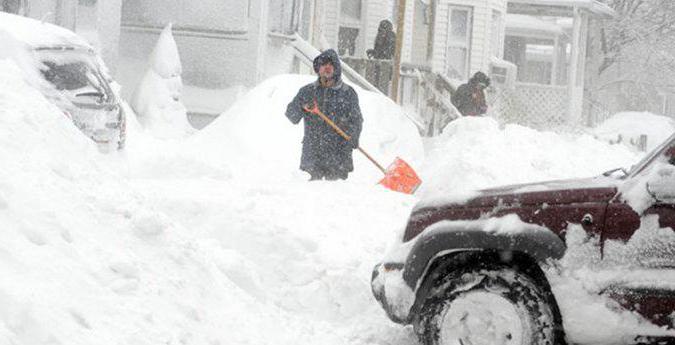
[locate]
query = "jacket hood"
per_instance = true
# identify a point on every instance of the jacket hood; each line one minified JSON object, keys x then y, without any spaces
{"x":385,"y":26}
{"x":332,"y":56}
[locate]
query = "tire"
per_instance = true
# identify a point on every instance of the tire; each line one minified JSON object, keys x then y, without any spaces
{"x":488,"y":305}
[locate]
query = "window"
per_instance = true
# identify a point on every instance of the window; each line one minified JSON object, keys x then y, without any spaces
{"x":497,"y":40}
{"x":347,"y":41}
{"x":11,"y":6}
{"x":350,"y":9}
{"x":459,"y":38}
{"x":533,"y":56}
{"x":350,"y":27}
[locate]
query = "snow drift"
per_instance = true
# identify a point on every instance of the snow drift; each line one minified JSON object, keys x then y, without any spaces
{"x":217,"y":238}
{"x":255,"y":135}
{"x":474,"y":152}
{"x":629,"y":126}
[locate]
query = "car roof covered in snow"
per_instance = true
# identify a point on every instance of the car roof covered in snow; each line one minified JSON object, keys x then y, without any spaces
{"x":40,"y":35}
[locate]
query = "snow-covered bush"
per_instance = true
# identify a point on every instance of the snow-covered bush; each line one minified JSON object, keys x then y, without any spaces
{"x":157,"y":99}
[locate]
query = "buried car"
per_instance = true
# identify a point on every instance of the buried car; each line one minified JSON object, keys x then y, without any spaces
{"x":496,"y":267}
{"x":75,"y":76}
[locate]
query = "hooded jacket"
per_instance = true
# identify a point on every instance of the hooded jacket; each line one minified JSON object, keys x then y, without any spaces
{"x":469,"y":99}
{"x":385,"y":42}
{"x":322,"y":147}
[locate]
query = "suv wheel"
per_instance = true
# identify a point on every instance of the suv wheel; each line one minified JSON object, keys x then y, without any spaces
{"x":486,"y":306}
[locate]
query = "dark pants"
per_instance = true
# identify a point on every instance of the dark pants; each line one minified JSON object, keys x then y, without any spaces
{"x":319,"y":173}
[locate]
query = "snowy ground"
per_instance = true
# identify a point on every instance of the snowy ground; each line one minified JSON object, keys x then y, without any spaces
{"x":218,"y":238}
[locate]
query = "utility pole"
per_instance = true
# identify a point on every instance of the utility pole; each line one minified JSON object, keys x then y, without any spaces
{"x":399,"y":45}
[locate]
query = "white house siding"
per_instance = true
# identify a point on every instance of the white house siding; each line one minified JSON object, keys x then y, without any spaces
{"x":406,"y":50}
{"x":108,"y":17}
{"x":63,"y":13}
{"x":420,"y":31}
{"x":500,"y":6}
{"x":480,"y":50}
{"x":331,"y":21}
{"x":219,"y":47}
{"x":99,"y":24}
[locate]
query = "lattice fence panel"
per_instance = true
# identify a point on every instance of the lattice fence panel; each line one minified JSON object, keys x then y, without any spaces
{"x":536,"y":106}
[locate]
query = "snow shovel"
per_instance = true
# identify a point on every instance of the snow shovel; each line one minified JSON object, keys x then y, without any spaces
{"x":399,"y":176}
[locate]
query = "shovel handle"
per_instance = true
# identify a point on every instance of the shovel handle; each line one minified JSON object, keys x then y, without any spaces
{"x":372,"y":160}
{"x":315,"y":110}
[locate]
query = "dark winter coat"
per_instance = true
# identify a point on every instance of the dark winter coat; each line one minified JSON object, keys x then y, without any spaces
{"x":469,"y":98}
{"x":385,"y":42}
{"x":322,"y":147}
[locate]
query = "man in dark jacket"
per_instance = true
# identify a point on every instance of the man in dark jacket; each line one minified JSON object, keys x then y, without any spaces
{"x":385,"y":42}
{"x":325,"y":154}
{"x":469,"y":98}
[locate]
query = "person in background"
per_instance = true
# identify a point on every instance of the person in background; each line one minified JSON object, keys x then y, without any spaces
{"x":469,"y":98}
{"x":385,"y":42}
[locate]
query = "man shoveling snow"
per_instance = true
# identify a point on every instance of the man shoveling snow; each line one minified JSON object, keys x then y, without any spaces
{"x":325,"y":154}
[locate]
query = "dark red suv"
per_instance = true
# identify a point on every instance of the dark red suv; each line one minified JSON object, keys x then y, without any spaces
{"x":561,"y":262}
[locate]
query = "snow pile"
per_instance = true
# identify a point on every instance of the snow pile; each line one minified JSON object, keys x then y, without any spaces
{"x":474,"y":153}
{"x":37,"y":33}
{"x":637,"y":191}
{"x":22,"y":55}
{"x":626,"y":128}
{"x":583,"y":275}
{"x":212,"y":238}
{"x":255,"y":136}
{"x":176,"y":257}
{"x":157,"y":99}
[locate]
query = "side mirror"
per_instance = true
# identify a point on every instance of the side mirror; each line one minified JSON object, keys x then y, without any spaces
{"x":661,"y":183}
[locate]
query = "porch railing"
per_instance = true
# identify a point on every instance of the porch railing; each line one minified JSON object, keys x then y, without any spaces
{"x":428,"y":94}
{"x":377,"y":72}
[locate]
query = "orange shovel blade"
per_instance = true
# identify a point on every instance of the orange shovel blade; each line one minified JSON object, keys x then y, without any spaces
{"x":400,"y":177}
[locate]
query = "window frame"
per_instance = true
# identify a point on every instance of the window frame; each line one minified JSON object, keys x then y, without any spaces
{"x":457,"y":44}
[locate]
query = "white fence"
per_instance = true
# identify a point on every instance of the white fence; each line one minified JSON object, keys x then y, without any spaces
{"x":532,"y":105}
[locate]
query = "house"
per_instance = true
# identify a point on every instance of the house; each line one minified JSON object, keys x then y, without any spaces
{"x":534,"y":50}
{"x":96,"y":20}
{"x":546,"y":41}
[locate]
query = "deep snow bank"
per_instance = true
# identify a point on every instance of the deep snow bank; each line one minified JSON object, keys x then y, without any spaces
{"x":255,"y":135}
{"x":627,"y":126}
{"x":218,"y":238}
{"x":114,"y":249}
{"x":474,"y":152}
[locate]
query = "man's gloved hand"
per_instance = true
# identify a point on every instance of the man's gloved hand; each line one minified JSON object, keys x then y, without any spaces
{"x":312,"y":108}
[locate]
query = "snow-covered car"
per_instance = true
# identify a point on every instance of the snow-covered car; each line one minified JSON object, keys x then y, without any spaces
{"x":571,"y":261}
{"x":77,"y":77}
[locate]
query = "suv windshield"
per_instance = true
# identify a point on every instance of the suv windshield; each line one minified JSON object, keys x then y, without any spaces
{"x":649,"y":158}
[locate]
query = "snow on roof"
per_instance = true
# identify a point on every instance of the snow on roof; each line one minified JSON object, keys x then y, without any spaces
{"x":531,"y":24}
{"x":39,"y":34}
{"x":593,"y":6}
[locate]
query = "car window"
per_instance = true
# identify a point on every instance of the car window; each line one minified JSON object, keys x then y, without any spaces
{"x":74,"y":76}
{"x":666,"y":149}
